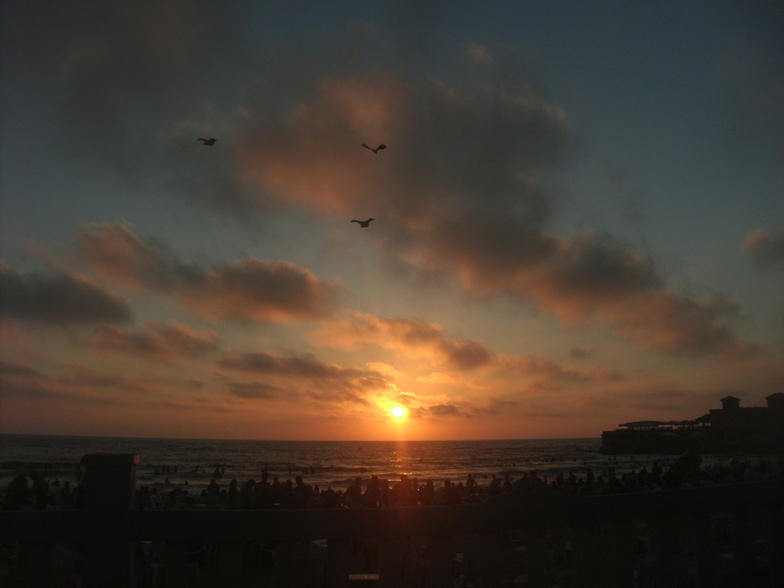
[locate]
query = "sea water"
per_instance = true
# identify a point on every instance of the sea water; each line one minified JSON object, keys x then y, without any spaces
{"x":323,"y":463}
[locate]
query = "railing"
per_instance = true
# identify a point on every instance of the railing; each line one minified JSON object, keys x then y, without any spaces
{"x":728,"y":535}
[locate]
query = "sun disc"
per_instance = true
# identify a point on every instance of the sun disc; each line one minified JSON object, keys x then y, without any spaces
{"x":398,"y":412}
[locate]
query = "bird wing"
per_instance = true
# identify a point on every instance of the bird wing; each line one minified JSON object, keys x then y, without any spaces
{"x":366,"y":146}
{"x":200,"y":139}
{"x":356,"y":221}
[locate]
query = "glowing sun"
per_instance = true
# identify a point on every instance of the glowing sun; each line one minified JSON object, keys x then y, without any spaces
{"x":398,"y":412}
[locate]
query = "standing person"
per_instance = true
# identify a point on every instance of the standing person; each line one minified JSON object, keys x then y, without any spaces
{"x":428,"y":493}
{"x":471,"y":485}
{"x":373,"y":491}
{"x":450,"y":495}
{"x":17,"y":493}
{"x":234,"y":494}
{"x":401,"y":491}
{"x":246,"y":494}
{"x":302,"y":493}
{"x":354,"y":492}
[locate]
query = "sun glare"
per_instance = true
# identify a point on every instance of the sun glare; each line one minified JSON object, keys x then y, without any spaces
{"x":398,"y":412}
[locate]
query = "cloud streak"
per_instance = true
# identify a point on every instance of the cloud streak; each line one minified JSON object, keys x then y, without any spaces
{"x":161,"y":341}
{"x":254,"y":390}
{"x":408,"y":336}
{"x":249,"y":290}
{"x":59,"y":300}
{"x":309,"y":377}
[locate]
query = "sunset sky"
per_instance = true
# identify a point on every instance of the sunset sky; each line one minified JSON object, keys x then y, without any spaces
{"x":579,"y":216}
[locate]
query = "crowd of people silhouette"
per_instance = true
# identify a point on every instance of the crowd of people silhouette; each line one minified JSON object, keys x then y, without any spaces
{"x":38,"y":493}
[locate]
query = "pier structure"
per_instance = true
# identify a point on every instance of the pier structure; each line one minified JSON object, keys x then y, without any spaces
{"x":756,"y":429}
{"x":720,"y":535}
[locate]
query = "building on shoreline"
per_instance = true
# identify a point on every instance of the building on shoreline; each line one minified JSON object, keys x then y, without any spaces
{"x":757,"y":429}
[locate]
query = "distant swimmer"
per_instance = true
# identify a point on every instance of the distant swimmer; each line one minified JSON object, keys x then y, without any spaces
{"x":377,"y":149}
{"x":207,"y":142}
{"x":365,"y":223}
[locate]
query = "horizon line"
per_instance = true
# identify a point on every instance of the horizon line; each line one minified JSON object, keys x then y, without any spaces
{"x":295,"y":440}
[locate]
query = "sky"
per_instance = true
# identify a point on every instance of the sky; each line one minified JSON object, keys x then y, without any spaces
{"x":579,"y":216}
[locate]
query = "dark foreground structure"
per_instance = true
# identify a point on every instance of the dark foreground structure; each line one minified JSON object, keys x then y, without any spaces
{"x":758,"y":429}
{"x":717,"y":535}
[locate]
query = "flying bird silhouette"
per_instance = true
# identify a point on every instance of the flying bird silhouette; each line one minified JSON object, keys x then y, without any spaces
{"x":208,"y":142}
{"x":377,"y":149}
{"x":364,"y":224}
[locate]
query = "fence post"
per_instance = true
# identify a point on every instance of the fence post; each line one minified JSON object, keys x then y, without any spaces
{"x":109,"y":484}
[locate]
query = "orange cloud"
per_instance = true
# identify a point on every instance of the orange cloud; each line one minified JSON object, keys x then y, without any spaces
{"x":117,"y":255}
{"x":158,"y":340}
{"x":472,"y":365}
{"x":342,"y":114}
{"x":408,"y":336}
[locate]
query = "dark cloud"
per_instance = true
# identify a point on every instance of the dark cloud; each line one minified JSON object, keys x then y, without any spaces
{"x":17,"y":369}
{"x":122,"y":74}
{"x":438,"y":411}
{"x":59,"y":300}
{"x":249,"y":290}
{"x":677,"y":325}
{"x":590,"y":271}
{"x":298,"y":366}
{"x":84,"y":377}
{"x":42,"y":391}
{"x":464,"y":410}
{"x":78,"y":384}
{"x":254,"y":390}
{"x":468,"y":354}
{"x":316,"y":380}
{"x":765,"y":248}
{"x":82,"y":385}
{"x":547,"y":370}
{"x":348,"y":395}
{"x":579,"y":353}
{"x":157,"y":341}
{"x":444,"y":410}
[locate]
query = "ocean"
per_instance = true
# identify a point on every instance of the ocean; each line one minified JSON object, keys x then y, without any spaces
{"x":325,"y":463}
